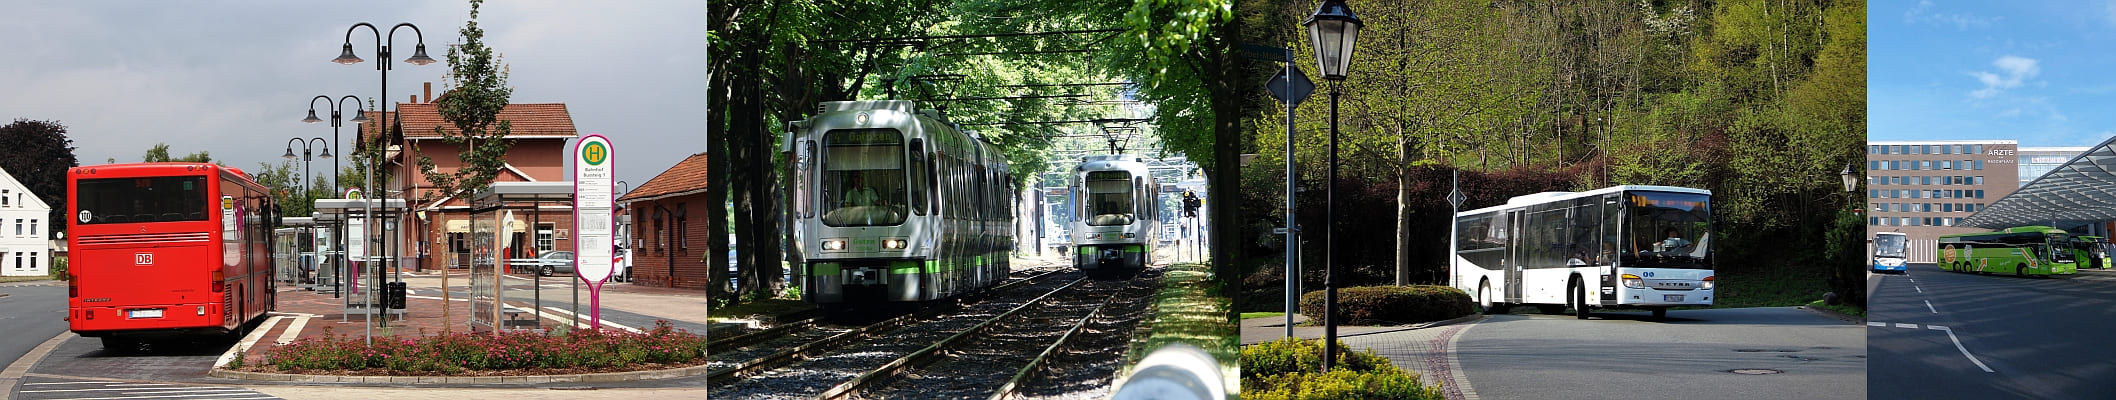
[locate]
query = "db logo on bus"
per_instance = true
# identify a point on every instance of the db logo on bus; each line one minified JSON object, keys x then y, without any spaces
{"x":143,"y":259}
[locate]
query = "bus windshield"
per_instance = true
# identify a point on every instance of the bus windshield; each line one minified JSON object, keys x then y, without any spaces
{"x":1109,"y":198}
{"x":863,"y":177}
{"x":1668,"y":230}
{"x":1891,"y":245}
{"x":125,"y":200}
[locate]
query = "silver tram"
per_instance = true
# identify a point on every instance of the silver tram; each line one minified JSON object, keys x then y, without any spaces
{"x":892,"y":204}
{"x":1116,"y":214}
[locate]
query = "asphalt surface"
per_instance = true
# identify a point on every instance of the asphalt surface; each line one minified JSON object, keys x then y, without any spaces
{"x":2038,"y":337}
{"x":1692,"y":354}
{"x":29,"y":315}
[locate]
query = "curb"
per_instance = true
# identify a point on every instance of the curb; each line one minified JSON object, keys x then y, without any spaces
{"x":458,"y":380}
{"x":1834,"y":314}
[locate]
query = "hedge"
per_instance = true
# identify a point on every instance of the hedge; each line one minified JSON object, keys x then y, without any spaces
{"x":1287,"y":369}
{"x":1386,"y":305}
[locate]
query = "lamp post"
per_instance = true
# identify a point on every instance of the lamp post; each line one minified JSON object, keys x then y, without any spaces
{"x":337,"y":121}
{"x":382,"y":56}
{"x":1333,"y":30}
{"x":305,"y":158}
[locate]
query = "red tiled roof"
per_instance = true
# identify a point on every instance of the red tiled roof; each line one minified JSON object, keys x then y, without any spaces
{"x":686,"y":176}
{"x":528,"y":119}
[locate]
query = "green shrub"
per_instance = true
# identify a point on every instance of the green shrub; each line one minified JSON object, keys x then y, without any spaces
{"x":1290,"y":355}
{"x":1339,"y":384}
{"x":455,"y":352}
{"x":1287,"y":369}
{"x":58,"y":269}
{"x":1379,"y":305}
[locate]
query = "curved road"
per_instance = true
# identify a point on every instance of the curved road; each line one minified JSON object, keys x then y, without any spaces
{"x":1693,"y":354}
{"x":1938,"y":334}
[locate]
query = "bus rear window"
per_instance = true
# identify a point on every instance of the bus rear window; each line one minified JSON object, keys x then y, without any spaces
{"x":127,"y":200}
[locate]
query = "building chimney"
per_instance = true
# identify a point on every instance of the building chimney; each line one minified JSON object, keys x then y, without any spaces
{"x":429,"y":92}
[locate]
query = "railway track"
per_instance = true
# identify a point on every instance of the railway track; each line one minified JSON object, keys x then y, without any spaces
{"x":808,"y":346}
{"x":993,"y":358}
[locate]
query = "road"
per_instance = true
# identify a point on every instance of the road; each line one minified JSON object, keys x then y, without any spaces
{"x":1799,"y":354}
{"x":1936,"y":333}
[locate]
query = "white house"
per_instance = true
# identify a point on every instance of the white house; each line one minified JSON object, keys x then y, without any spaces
{"x":25,"y":246}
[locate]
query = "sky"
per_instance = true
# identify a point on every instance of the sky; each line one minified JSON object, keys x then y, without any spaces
{"x":2041,"y":72}
{"x":234,"y":78}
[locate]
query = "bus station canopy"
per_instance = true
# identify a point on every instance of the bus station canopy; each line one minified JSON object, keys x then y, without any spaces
{"x":521,"y":194}
{"x":335,"y":210}
{"x":2081,"y":191}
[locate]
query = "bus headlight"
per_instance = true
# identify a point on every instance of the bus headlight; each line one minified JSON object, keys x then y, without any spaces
{"x":1708,"y":282}
{"x":893,"y":244}
{"x":1633,"y":281}
{"x":833,"y":244}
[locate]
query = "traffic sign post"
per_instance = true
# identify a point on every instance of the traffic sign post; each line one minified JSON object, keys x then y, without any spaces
{"x":593,"y":186}
{"x":1454,"y":203}
{"x":1290,"y":86}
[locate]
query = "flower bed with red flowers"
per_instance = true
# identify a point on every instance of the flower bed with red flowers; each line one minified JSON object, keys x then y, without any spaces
{"x":508,"y":353}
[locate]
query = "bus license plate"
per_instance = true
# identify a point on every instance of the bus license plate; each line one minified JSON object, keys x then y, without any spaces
{"x":147,"y":313}
{"x":1671,"y":297}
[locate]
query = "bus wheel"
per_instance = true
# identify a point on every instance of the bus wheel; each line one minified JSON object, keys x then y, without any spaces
{"x":1579,"y":301}
{"x":1484,"y":296}
{"x":120,"y":344}
{"x":2020,"y":270}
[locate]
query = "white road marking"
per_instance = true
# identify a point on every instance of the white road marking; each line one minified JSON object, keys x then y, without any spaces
{"x":1928,"y":306}
{"x":1958,"y":346}
{"x":1879,"y":324}
{"x":247,"y":341}
{"x":1920,"y":290}
{"x":78,"y":383}
{"x":183,"y":396}
{"x":293,"y":330}
{"x":605,"y":322}
{"x":1904,"y":325}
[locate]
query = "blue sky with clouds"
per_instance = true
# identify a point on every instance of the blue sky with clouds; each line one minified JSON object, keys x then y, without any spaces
{"x":2041,"y":72}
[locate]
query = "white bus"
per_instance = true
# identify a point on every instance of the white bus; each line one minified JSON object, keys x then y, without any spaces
{"x":1631,"y":246}
{"x":1890,"y":249}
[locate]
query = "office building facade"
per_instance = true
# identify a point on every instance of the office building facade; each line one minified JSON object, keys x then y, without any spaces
{"x":1925,"y":188}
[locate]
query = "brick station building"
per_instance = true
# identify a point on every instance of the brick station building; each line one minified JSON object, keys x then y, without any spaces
{"x":440,"y":225}
{"x":669,"y":228}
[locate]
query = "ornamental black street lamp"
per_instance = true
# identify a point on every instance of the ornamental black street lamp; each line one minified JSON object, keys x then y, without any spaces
{"x":306,"y":156}
{"x":382,"y":56}
{"x":1332,"y":29}
{"x":337,"y":121}
{"x":1851,"y":181}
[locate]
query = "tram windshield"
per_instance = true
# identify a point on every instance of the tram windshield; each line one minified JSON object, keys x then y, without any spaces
{"x":1890,"y":245}
{"x":1668,"y":230}
{"x":1109,"y":198}
{"x":863,"y":177}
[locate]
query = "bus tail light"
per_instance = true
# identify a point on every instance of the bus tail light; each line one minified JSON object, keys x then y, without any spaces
{"x":1708,"y":282}
{"x":91,"y":314}
{"x":220,"y":281}
{"x":73,"y":286}
{"x":1633,"y":281}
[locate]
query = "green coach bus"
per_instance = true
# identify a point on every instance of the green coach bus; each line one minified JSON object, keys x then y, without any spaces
{"x":2091,"y":251}
{"x":2026,"y":250}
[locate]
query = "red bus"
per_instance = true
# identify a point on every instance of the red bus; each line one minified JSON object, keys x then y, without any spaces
{"x":166,"y":249}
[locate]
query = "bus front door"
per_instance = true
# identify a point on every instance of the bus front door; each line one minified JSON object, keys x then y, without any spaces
{"x":1514,"y":257}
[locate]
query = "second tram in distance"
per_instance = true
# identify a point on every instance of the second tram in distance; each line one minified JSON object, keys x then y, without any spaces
{"x":1116,"y":218}
{"x":894,"y":205}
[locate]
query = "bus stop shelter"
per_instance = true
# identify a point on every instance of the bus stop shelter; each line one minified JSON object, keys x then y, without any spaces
{"x":497,"y":213}
{"x":2080,"y":192}
{"x":294,"y":251}
{"x":363,"y":271}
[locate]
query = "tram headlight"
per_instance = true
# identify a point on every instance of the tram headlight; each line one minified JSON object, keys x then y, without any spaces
{"x":833,"y":244}
{"x":893,"y":244}
{"x":1634,"y":282}
{"x":1708,"y":282}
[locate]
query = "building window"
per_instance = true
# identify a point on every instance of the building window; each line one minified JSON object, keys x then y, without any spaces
{"x":683,"y":235}
{"x":4,"y":196}
{"x":544,"y":232}
{"x":1873,"y":165}
{"x":33,"y":227}
{"x":18,"y":227}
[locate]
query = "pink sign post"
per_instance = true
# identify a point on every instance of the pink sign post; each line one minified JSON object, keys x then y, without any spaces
{"x":593,"y":188}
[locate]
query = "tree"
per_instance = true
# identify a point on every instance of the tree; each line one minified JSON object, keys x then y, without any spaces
{"x":478,"y":92}
{"x":38,"y":154}
{"x":160,"y":153}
